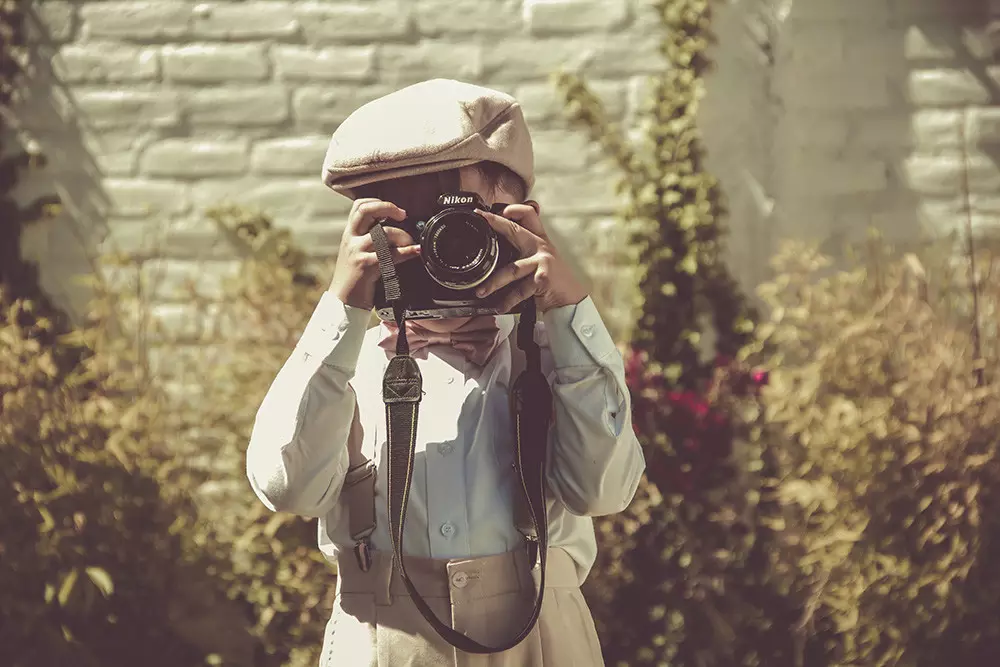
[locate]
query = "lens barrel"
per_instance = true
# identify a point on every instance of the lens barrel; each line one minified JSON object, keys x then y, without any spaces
{"x":459,"y":249}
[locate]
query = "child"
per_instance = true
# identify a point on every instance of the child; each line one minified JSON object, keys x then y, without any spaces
{"x":318,"y":447}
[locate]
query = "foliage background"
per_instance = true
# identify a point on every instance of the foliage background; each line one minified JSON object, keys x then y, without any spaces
{"x":843,"y":514}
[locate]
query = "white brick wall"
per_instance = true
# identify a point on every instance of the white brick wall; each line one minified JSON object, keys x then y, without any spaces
{"x":154,"y":109}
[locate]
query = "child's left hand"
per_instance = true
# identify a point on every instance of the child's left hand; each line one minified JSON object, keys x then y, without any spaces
{"x":540,"y":272}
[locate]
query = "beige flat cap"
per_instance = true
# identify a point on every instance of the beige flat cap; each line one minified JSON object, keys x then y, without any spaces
{"x":427,"y":127}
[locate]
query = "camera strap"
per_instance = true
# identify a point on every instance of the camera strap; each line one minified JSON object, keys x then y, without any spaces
{"x":531,"y":403}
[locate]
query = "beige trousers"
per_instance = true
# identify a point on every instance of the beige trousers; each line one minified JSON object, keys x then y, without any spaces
{"x":376,"y":624}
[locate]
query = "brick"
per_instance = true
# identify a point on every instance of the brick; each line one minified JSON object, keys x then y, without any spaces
{"x":137,"y":198}
{"x":57,"y":19}
{"x":341,"y":63}
{"x":135,"y":21}
{"x":541,"y":101}
{"x":324,"y":106}
{"x":563,"y":151}
{"x":941,"y":215}
{"x":946,"y":87}
{"x":401,"y":65}
{"x":116,"y":153}
{"x":194,"y":158}
{"x":319,"y":238}
{"x":437,"y":17}
{"x":128,"y":108}
{"x":237,"y":106}
{"x":933,"y":175}
{"x":96,"y":61}
{"x":895,"y":133}
{"x":289,"y":156}
{"x":947,"y":175}
{"x":936,"y":128}
{"x":983,"y":174}
{"x":931,"y":42}
{"x":243,"y":20}
{"x":590,"y":192}
{"x":521,"y":60}
{"x":986,"y":204}
{"x":172,"y":277}
{"x":183,"y":238}
{"x":547,"y":17}
{"x":835,"y":89}
{"x":983,"y":126}
{"x":284,"y":199}
{"x":353,"y":22}
{"x":204,"y":63}
{"x":980,"y":42}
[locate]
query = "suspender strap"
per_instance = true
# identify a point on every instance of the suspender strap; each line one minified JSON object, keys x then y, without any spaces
{"x":359,"y":496}
{"x":402,"y":389}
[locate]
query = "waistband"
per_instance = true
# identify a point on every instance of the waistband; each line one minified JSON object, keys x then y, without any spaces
{"x":466,"y":578}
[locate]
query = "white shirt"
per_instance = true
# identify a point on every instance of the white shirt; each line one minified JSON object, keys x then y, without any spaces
{"x":460,"y":503}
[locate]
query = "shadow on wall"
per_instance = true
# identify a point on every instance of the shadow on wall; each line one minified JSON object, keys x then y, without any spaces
{"x":47,"y":118}
{"x":827,"y":118}
{"x":738,"y":121}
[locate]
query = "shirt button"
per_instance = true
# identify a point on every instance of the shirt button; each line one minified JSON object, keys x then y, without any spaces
{"x":343,"y":326}
{"x":445,"y":448}
{"x":460,"y":579}
{"x":587,"y":330}
{"x":451,"y":380}
{"x":447,"y":529}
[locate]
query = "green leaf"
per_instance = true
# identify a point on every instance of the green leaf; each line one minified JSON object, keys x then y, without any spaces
{"x":102,"y":580}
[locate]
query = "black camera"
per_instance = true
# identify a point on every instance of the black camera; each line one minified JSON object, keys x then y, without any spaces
{"x":458,"y":252}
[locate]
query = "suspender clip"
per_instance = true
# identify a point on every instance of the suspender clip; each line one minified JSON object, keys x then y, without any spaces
{"x":363,"y":553}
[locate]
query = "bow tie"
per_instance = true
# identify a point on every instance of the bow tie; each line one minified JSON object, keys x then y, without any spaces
{"x":477,"y":338}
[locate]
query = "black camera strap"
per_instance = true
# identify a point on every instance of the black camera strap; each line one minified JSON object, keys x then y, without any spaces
{"x":531,"y":402}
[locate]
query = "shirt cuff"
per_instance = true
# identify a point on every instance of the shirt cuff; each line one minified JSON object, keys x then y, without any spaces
{"x":335,"y":332}
{"x":577,"y":336}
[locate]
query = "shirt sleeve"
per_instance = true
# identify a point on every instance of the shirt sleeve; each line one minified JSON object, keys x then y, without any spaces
{"x":298,"y":456}
{"x":595,"y":460}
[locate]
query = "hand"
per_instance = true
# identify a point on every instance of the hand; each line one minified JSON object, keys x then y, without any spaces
{"x":540,"y":272}
{"x":357,"y":270}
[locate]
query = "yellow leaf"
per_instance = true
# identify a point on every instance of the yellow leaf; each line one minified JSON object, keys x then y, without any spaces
{"x":102,"y":580}
{"x":66,"y":590}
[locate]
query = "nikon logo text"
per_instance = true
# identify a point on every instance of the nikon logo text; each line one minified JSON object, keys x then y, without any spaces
{"x":456,"y":200}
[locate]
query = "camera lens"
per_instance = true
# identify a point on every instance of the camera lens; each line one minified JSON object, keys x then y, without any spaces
{"x":459,"y":249}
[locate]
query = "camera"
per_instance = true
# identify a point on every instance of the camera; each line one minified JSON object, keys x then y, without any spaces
{"x":458,"y":252}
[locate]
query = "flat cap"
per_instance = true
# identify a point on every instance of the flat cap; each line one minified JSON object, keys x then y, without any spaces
{"x":427,"y":127}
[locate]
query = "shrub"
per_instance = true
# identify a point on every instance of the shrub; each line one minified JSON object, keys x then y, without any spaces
{"x":886,"y":443}
{"x":213,"y":347}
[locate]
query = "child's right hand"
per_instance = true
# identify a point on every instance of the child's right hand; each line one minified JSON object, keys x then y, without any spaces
{"x":357,"y":271}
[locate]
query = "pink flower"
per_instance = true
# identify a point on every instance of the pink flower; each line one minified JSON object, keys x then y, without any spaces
{"x":760,"y":377}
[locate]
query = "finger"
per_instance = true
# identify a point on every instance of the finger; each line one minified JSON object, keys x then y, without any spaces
{"x":521,"y":291}
{"x":519,"y":268}
{"x":367,"y":213}
{"x":524,"y":241}
{"x":526,"y":216}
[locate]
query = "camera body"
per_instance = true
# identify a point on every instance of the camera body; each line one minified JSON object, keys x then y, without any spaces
{"x":458,"y":252}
